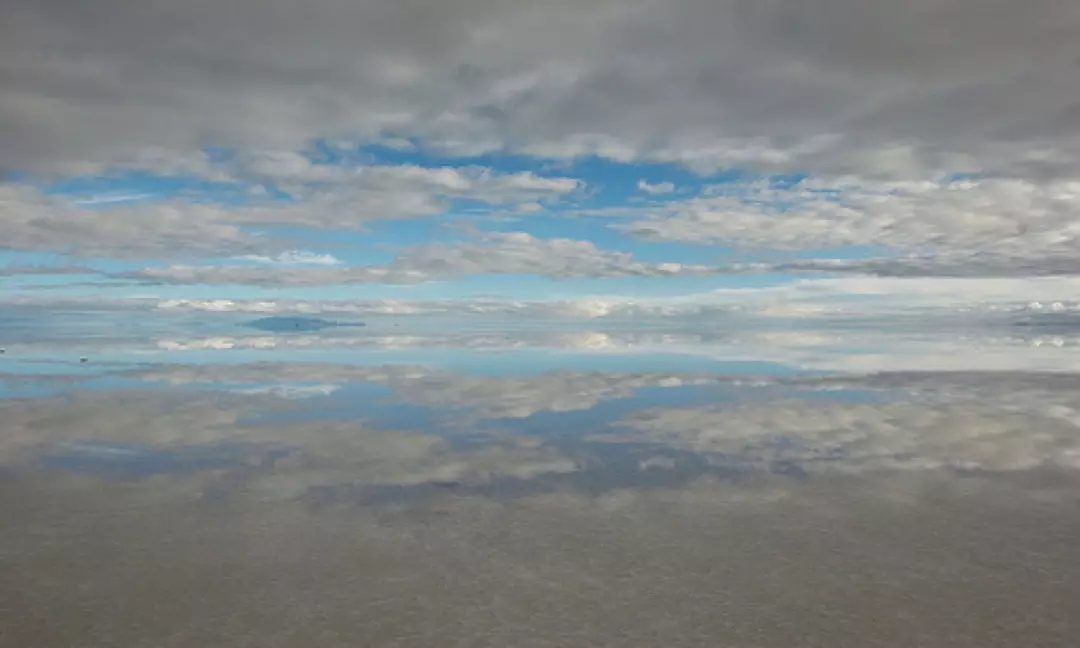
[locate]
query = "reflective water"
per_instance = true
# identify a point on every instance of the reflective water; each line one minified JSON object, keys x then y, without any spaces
{"x":200,"y":483}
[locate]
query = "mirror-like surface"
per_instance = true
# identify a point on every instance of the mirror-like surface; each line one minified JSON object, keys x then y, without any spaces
{"x":448,"y":486}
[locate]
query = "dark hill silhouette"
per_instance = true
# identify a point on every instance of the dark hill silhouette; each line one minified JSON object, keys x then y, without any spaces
{"x":291,"y":324}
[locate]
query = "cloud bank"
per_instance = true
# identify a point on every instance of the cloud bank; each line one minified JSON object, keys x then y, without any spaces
{"x":834,"y":84}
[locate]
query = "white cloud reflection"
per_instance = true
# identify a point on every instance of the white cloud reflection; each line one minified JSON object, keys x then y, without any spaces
{"x":280,"y":458}
{"x":928,"y":421}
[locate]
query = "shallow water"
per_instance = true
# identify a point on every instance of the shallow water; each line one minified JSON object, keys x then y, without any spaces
{"x":212,"y":485}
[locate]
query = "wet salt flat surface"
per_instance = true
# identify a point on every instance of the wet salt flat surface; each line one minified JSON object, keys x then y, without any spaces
{"x":442,"y":486}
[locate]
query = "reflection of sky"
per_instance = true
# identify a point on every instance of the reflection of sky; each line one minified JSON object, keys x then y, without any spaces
{"x":133,"y":460}
{"x":491,"y":409}
{"x":654,"y":466}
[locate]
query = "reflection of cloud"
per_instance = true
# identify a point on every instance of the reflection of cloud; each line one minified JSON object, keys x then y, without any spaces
{"x":839,"y":348}
{"x":122,"y":417}
{"x":1029,"y":429}
{"x":895,"y":303}
{"x":885,"y":300}
{"x":1038,"y":336}
{"x":491,"y":396}
{"x":283,"y":458}
{"x":523,"y":396}
{"x":292,"y":391}
{"x":343,"y":455}
{"x":248,"y":342}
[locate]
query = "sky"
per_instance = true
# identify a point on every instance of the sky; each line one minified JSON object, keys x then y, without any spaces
{"x":570,"y":158}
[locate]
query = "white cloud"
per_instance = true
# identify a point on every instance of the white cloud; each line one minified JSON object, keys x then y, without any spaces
{"x":522,"y":253}
{"x":950,"y":86}
{"x":34,"y":221}
{"x":504,"y":253}
{"x":295,"y":258}
{"x":276,"y":276}
{"x":298,"y":172}
{"x":1010,"y":219}
{"x":655,"y":189}
{"x":112,"y":198}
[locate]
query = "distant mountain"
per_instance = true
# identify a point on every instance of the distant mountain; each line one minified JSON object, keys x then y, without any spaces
{"x":292,"y":324}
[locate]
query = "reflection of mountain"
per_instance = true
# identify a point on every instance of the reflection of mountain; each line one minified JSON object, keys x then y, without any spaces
{"x":284,"y":324}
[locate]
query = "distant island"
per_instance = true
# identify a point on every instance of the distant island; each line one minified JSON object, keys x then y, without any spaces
{"x":286,"y":324}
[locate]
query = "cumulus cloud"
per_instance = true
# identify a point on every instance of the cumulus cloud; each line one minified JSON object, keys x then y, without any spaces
{"x":343,"y":194}
{"x":833,"y":84}
{"x":275,"y":276}
{"x":655,"y":189}
{"x":33,"y":221}
{"x":942,"y":129}
{"x":1011,"y":222}
{"x":522,"y":253}
{"x":295,"y":258}
{"x":36,"y":221}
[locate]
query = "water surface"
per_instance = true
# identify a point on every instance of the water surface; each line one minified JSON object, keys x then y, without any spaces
{"x":217,"y":485}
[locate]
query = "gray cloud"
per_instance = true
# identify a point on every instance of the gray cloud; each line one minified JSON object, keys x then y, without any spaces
{"x":971,"y":265}
{"x":881,"y":104}
{"x":22,"y":270}
{"x":832,"y":84}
